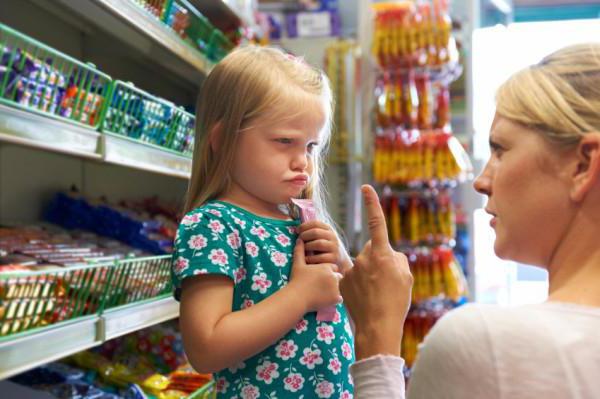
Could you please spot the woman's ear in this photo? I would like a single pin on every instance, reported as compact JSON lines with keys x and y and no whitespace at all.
{"x":587,"y":173}
{"x":215,"y":137}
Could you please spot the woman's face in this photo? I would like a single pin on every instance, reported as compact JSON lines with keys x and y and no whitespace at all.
{"x":526,"y":182}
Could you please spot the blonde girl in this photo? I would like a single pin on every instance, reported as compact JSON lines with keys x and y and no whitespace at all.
{"x":248,"y":293}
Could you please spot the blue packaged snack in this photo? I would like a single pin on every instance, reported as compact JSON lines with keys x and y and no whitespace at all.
{"x":68,"y":373}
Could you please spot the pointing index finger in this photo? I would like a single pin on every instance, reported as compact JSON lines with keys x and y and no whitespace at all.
{"x":375,"y":218}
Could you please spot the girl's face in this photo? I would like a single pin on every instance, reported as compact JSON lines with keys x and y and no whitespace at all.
{"x":273,"y":160}
{"x":526,"y":182}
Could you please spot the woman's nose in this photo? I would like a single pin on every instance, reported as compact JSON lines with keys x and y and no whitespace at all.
{"x":483,"y":182}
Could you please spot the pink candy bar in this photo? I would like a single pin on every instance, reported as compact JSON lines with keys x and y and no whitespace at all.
{"x":309,"y":213}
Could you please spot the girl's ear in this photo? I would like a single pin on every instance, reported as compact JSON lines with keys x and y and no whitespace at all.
{"x":214,"y":137}
{"x":587,"y":172}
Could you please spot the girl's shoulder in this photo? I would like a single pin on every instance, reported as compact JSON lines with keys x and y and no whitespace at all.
{"x":211,"y":210}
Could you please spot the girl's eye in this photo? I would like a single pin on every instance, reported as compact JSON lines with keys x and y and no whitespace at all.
{"x":311,"y":147}
{"x":284,"y":141}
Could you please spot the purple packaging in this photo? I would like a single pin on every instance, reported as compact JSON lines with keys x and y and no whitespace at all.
{"x":308,"y":213}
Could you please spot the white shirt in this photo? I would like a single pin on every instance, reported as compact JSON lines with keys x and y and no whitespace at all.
{"x":548,"y":351}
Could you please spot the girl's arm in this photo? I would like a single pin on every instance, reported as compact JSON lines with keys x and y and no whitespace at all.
{"x":214,"y":337}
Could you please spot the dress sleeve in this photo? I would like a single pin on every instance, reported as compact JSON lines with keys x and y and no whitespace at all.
{"x":205,"y":244}
{"x":456,"y":360}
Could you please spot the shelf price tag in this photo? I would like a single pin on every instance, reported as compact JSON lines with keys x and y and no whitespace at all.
{"x":314,"y":24}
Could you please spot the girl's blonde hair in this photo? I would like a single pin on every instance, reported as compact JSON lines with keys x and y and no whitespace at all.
{"x":559,"y":96}
{"x":253,"y":83}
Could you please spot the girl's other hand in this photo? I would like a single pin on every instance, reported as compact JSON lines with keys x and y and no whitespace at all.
{"x":317,"y":285}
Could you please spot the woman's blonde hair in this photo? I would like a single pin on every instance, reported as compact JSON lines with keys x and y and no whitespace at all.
{"x":253,"y":83}
{"x":559,"y":96}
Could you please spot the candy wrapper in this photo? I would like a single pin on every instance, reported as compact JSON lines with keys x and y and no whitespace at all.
{"x":307,"y":214}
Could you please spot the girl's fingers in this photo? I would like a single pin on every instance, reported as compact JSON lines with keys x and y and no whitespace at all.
{"x":320,"y":246}
{"x":321,"y":258}
{"x":317,"y":234}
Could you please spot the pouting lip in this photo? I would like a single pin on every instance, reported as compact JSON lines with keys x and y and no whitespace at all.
{"x":299,"y":178}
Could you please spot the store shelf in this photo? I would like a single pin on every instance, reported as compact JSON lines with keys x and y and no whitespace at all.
{"x":32,"y":350}
{"x":132,"y":24}
{"x":221,"y":12}
{"x":37,"y":131}
{"x":137,"y":155}
{"x":36,"y":348}
{"x":117,"y":322}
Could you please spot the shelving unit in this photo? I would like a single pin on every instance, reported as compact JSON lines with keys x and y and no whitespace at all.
{"x":41,"y":154}
{"x":36,"y":348}
{"x":131,"y":23}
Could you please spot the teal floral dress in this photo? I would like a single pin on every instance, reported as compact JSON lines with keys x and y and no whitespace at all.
{"x":310,"y":361}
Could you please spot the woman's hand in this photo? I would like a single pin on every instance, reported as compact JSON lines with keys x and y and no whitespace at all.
{"x":377,"y":289}
{"x":323,"y":245}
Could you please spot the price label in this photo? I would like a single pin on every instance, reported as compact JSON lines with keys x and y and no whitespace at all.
{"x":314,"y":24}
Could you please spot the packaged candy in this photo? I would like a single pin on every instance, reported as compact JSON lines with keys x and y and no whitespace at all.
{"x":309,"y":213}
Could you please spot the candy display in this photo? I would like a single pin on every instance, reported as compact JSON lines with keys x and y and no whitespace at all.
{"x":155,"y":7}
{"x":190,"y":25}
{"x":418,"y":219}
{"x":414,"y":157}
{"x":128,"y":222}
{"x":409,"y":33}
{"x":417,"y":162}
{"x":47,"y":81}
{"x":418,"y":323}
{"x":138,"y":115}
{"x":148,"y":363}
{"x":436,"y":275}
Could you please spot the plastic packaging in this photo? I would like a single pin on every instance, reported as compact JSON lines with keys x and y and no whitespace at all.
{"x":308,"y":213}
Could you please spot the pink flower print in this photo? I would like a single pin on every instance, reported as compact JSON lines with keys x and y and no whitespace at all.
{"x":234,"y":240}
{"x":218,"y":257}
{"x":301,"y":326}
{"x":261,"y":283}
{"x":283,"y":240}
{"x":252,"y":249}
{"x":215,"y":212}
{"x":292,"y":230}
{"x":240,"y":222}
{"x":216,"y":226}
{"x":189,"y":220}
{"x":239,"y":366}
{"x":346,"y":350}
{"x":199,"y":271}
{"x":337,"y":317}
{"x":293,"y":382}
{"x":239,"y":274}
{"x":180,"y":265}
{"x":286,"y":349}
{"x":325,"y":333}
{"x":197,"y":242}
{"x":247,"y":303}
{"x":334,"y":365}
{"x":221,"y":385}
{"x":279,"y":258}
{"x":324,"y":389}
{"x":249,"y":392}
{"x":267,"y":372}
{"x":346,"y":395}
{"x":260,"y":232}
{"x":311,"y":358}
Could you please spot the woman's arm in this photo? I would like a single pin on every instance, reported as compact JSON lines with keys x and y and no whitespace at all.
{"x":215,"y":337}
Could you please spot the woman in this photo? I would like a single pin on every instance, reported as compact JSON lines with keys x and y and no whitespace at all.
{"x":543,"y":187}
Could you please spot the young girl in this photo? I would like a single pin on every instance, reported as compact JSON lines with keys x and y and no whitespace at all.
{"x":248,"y":294}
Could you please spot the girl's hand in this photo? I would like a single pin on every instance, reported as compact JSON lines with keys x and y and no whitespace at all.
{"x":323,"y":244}
{"x":316,"y":285}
